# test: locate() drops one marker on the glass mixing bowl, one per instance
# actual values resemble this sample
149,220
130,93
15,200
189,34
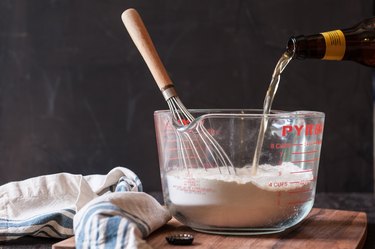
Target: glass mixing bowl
208,178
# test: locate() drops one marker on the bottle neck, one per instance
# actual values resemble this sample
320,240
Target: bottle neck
356,44
304,47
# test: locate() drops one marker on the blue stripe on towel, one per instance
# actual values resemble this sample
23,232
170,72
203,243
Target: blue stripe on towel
107,209
111,229
58,216
109,217
57,224
126,184
123,237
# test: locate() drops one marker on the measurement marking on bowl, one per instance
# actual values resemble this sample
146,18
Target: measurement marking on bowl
305,152
288,145
283,145
317,142
302,182
306,161
301,171
299,191
281,184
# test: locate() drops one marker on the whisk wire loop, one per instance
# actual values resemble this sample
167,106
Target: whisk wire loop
210,153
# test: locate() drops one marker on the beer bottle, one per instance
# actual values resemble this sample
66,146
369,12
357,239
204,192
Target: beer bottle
354,44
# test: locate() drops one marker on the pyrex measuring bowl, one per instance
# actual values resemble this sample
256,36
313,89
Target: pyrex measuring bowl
230,199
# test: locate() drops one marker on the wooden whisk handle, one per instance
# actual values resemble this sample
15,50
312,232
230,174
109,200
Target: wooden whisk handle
143,42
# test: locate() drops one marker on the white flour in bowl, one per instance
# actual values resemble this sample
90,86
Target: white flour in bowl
274,195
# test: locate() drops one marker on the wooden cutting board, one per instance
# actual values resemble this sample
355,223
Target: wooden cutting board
323,228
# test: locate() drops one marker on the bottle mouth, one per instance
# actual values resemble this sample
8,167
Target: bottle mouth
295,51
291,46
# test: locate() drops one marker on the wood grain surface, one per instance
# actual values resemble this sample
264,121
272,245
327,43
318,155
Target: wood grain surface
323,228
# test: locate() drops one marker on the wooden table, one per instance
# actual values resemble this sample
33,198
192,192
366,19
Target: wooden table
363,202
323,228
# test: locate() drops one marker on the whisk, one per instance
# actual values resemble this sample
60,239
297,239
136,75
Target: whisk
206,150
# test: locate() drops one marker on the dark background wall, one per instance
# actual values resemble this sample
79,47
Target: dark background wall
76,96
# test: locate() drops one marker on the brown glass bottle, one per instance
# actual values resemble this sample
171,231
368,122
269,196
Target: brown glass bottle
355,44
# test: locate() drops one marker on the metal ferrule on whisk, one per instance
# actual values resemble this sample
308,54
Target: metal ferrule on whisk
168,91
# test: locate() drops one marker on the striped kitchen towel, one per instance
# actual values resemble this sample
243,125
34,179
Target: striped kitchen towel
45,206
118,220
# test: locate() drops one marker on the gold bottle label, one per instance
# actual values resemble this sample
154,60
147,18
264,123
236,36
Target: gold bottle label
335,45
